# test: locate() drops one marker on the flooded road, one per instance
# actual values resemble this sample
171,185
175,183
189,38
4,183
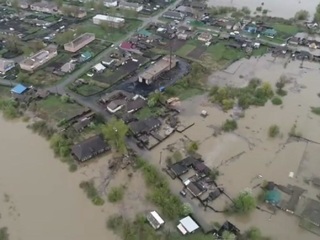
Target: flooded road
284,9
39,198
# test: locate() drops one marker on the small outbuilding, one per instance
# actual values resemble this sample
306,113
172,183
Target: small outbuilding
19,89
155,220
187,225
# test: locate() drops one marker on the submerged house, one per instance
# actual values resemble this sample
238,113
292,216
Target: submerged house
89,148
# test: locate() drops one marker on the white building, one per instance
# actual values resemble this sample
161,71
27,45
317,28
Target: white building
6,65
155,220
187,225
131,6
110,3
115,22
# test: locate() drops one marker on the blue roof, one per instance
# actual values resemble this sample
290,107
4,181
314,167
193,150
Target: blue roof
273,196
19,89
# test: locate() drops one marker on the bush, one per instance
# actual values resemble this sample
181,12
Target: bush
273,131
281,92
91,192
60,145
4,235
265,11
315,110
244,203
9,108
73,167
276,101
116,194
169,204
229,125
259,9
42,129
192,147
177,156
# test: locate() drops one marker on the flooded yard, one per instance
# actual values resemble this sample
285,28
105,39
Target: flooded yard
284,9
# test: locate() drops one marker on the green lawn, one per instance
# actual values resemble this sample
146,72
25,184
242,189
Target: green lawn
110,34
260,51
220,52
286,29
53,108
5,92
185,49
89,89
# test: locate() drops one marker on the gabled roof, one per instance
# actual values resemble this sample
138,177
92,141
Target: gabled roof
146,125
135,105
89,147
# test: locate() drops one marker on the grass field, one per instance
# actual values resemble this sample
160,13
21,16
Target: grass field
5,92
110,34
220,52
286,29
53,108
185,49
89,89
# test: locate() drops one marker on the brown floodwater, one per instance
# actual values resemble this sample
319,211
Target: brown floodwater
40,199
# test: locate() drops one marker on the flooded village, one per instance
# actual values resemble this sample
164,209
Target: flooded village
184,120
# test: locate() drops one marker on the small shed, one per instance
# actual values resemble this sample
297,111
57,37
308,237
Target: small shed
155,220
273,197
187,225
19,89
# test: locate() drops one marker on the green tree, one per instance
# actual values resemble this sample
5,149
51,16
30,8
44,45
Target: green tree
229,125
154,98
244,203
193,146
115,132
13,44
302,15
274,131
228,236
276,101
65,37
267,89
60,145
254,234
4,235
187,209
116,194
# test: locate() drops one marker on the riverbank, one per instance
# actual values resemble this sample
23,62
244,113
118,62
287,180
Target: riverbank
40,199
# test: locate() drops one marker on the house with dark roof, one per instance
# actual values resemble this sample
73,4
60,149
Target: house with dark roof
195,188
177,169
89,148
135,104
144,126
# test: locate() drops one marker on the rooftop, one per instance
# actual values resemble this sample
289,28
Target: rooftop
19,89
108,18
189,224
40,56
82,38
158,67
311,213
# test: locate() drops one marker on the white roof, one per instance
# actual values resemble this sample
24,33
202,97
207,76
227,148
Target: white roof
99,67
157,217
182,229
108,18
189,224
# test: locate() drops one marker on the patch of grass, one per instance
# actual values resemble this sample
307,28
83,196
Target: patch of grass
276,101
220,52
183,93
286,28
88,89
92,193
273,131
229,125
260,51
116,194
5,92
315,110
185,49
53,108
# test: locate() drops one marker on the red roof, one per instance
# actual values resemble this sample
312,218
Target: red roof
126,45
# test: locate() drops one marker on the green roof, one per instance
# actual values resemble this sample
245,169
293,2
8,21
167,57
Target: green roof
273,196
145,33
86,55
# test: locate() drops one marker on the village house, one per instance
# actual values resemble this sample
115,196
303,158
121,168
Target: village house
38,59
131,6
130,47
155,220
74,11
80,42
114,22
187,225
46,7
174,15
155,70
144,126
68,67
89,148
6,65
110,3
204,37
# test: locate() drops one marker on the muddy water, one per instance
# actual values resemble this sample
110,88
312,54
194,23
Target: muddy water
39,198
271,158
284,9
